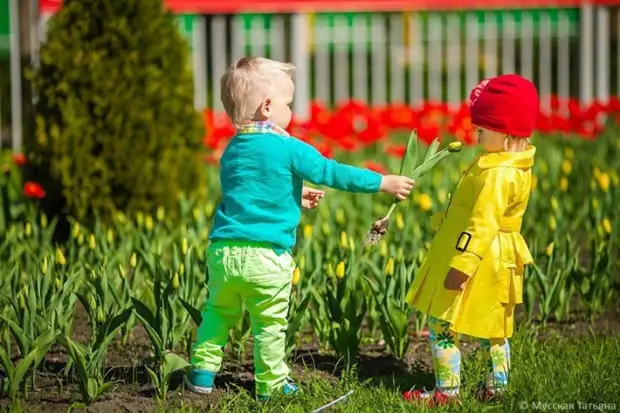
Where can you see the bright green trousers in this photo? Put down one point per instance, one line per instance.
(255, 274)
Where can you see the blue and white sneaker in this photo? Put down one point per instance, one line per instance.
(199, 381)
(288, 389)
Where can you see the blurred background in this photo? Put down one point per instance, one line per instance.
(395, 51)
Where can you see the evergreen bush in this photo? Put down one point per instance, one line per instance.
(116, 128)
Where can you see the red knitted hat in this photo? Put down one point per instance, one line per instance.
(507, 104)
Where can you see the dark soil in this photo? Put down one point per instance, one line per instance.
(55, 393)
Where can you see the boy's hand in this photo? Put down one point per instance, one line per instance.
(399, 186)
(455, 280)
(310, 197)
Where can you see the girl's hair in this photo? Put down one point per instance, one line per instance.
(512, 144)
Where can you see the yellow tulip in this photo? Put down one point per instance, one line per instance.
(140, 218)
(549, 249)
(563, 184)
(554, 203)
(110, 236)
(553, 223)
(389, 267)
(80, 239)
(44, 266)
(340, 269)
(92, 242)
(400, 223)
(455, 146)
(606, 224)
(28, 229)
(60, 257)
(603, 181)
(351, 244)
(425, 202)
(307, 231)
(442, 196)
(181, 268)
(340, 216)
(184, 246)
(76, 230)
(567, 167)
(175, 281)
(161, 213)
(133, 261)
(148, 223)
(296, 276)
(326, 229)
(344, 242)
(383, 248)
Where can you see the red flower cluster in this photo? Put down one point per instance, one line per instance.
(19, 159)
(354, 125)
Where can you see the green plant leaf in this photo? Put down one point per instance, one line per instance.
(410, 159)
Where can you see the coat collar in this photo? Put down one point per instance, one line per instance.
(523, 159)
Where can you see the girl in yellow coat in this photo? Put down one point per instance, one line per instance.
(473, 274)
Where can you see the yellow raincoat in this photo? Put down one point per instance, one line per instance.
(479, 234)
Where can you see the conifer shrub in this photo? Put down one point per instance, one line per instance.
(116, 128)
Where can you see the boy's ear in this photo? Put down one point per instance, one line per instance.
(266, 107)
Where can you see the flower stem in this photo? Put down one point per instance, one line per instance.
(391, 210)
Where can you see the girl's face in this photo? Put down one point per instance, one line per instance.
(490, 140)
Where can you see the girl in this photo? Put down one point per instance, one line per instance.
(473, 274)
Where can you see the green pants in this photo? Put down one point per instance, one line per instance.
(255, 274)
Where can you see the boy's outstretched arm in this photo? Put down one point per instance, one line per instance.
(311, 166)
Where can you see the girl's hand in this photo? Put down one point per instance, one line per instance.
(310, 197)
(399, 186)
(455, 280)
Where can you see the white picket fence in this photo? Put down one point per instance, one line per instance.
(409, 57)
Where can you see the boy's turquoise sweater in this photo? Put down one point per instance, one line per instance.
(262, 175)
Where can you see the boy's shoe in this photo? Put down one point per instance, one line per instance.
(431, 399)
(200, 381)
(288, 389)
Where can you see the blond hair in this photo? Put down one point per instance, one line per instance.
(247, 82)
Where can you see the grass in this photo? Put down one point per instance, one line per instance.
(554, 374)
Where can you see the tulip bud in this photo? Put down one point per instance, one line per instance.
(296, 276)
(57, 284)
(100, 315)
(28, 229)
(196, 213)
(383, 248)
(400, 223)
(181, 268)
(133, 261)
(389, 267)
(92, 302)
(121, 271)
(140, 218)
(92, 242)
(184, 246)
(110, 236)
(80, 239)
(307, 231)
(161, 213)
(340, 269)
(455, 146)
(60, 258)
(343, 240)
(340, 218)
(76, 230)
(44, 266)
(330, 270)
(175, 281)
(549, 249)
(326, 229)
(148, 224)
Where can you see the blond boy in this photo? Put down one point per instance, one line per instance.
(249, 259)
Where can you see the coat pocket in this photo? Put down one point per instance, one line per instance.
(506, 274)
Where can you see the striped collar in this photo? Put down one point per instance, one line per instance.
(254, 127)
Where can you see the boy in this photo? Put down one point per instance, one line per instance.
(249, 259)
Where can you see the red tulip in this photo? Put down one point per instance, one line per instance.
(377, 167)
(19, 159)
(33, 190)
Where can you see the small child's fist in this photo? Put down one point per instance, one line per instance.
(399, 186)
(310, 197)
